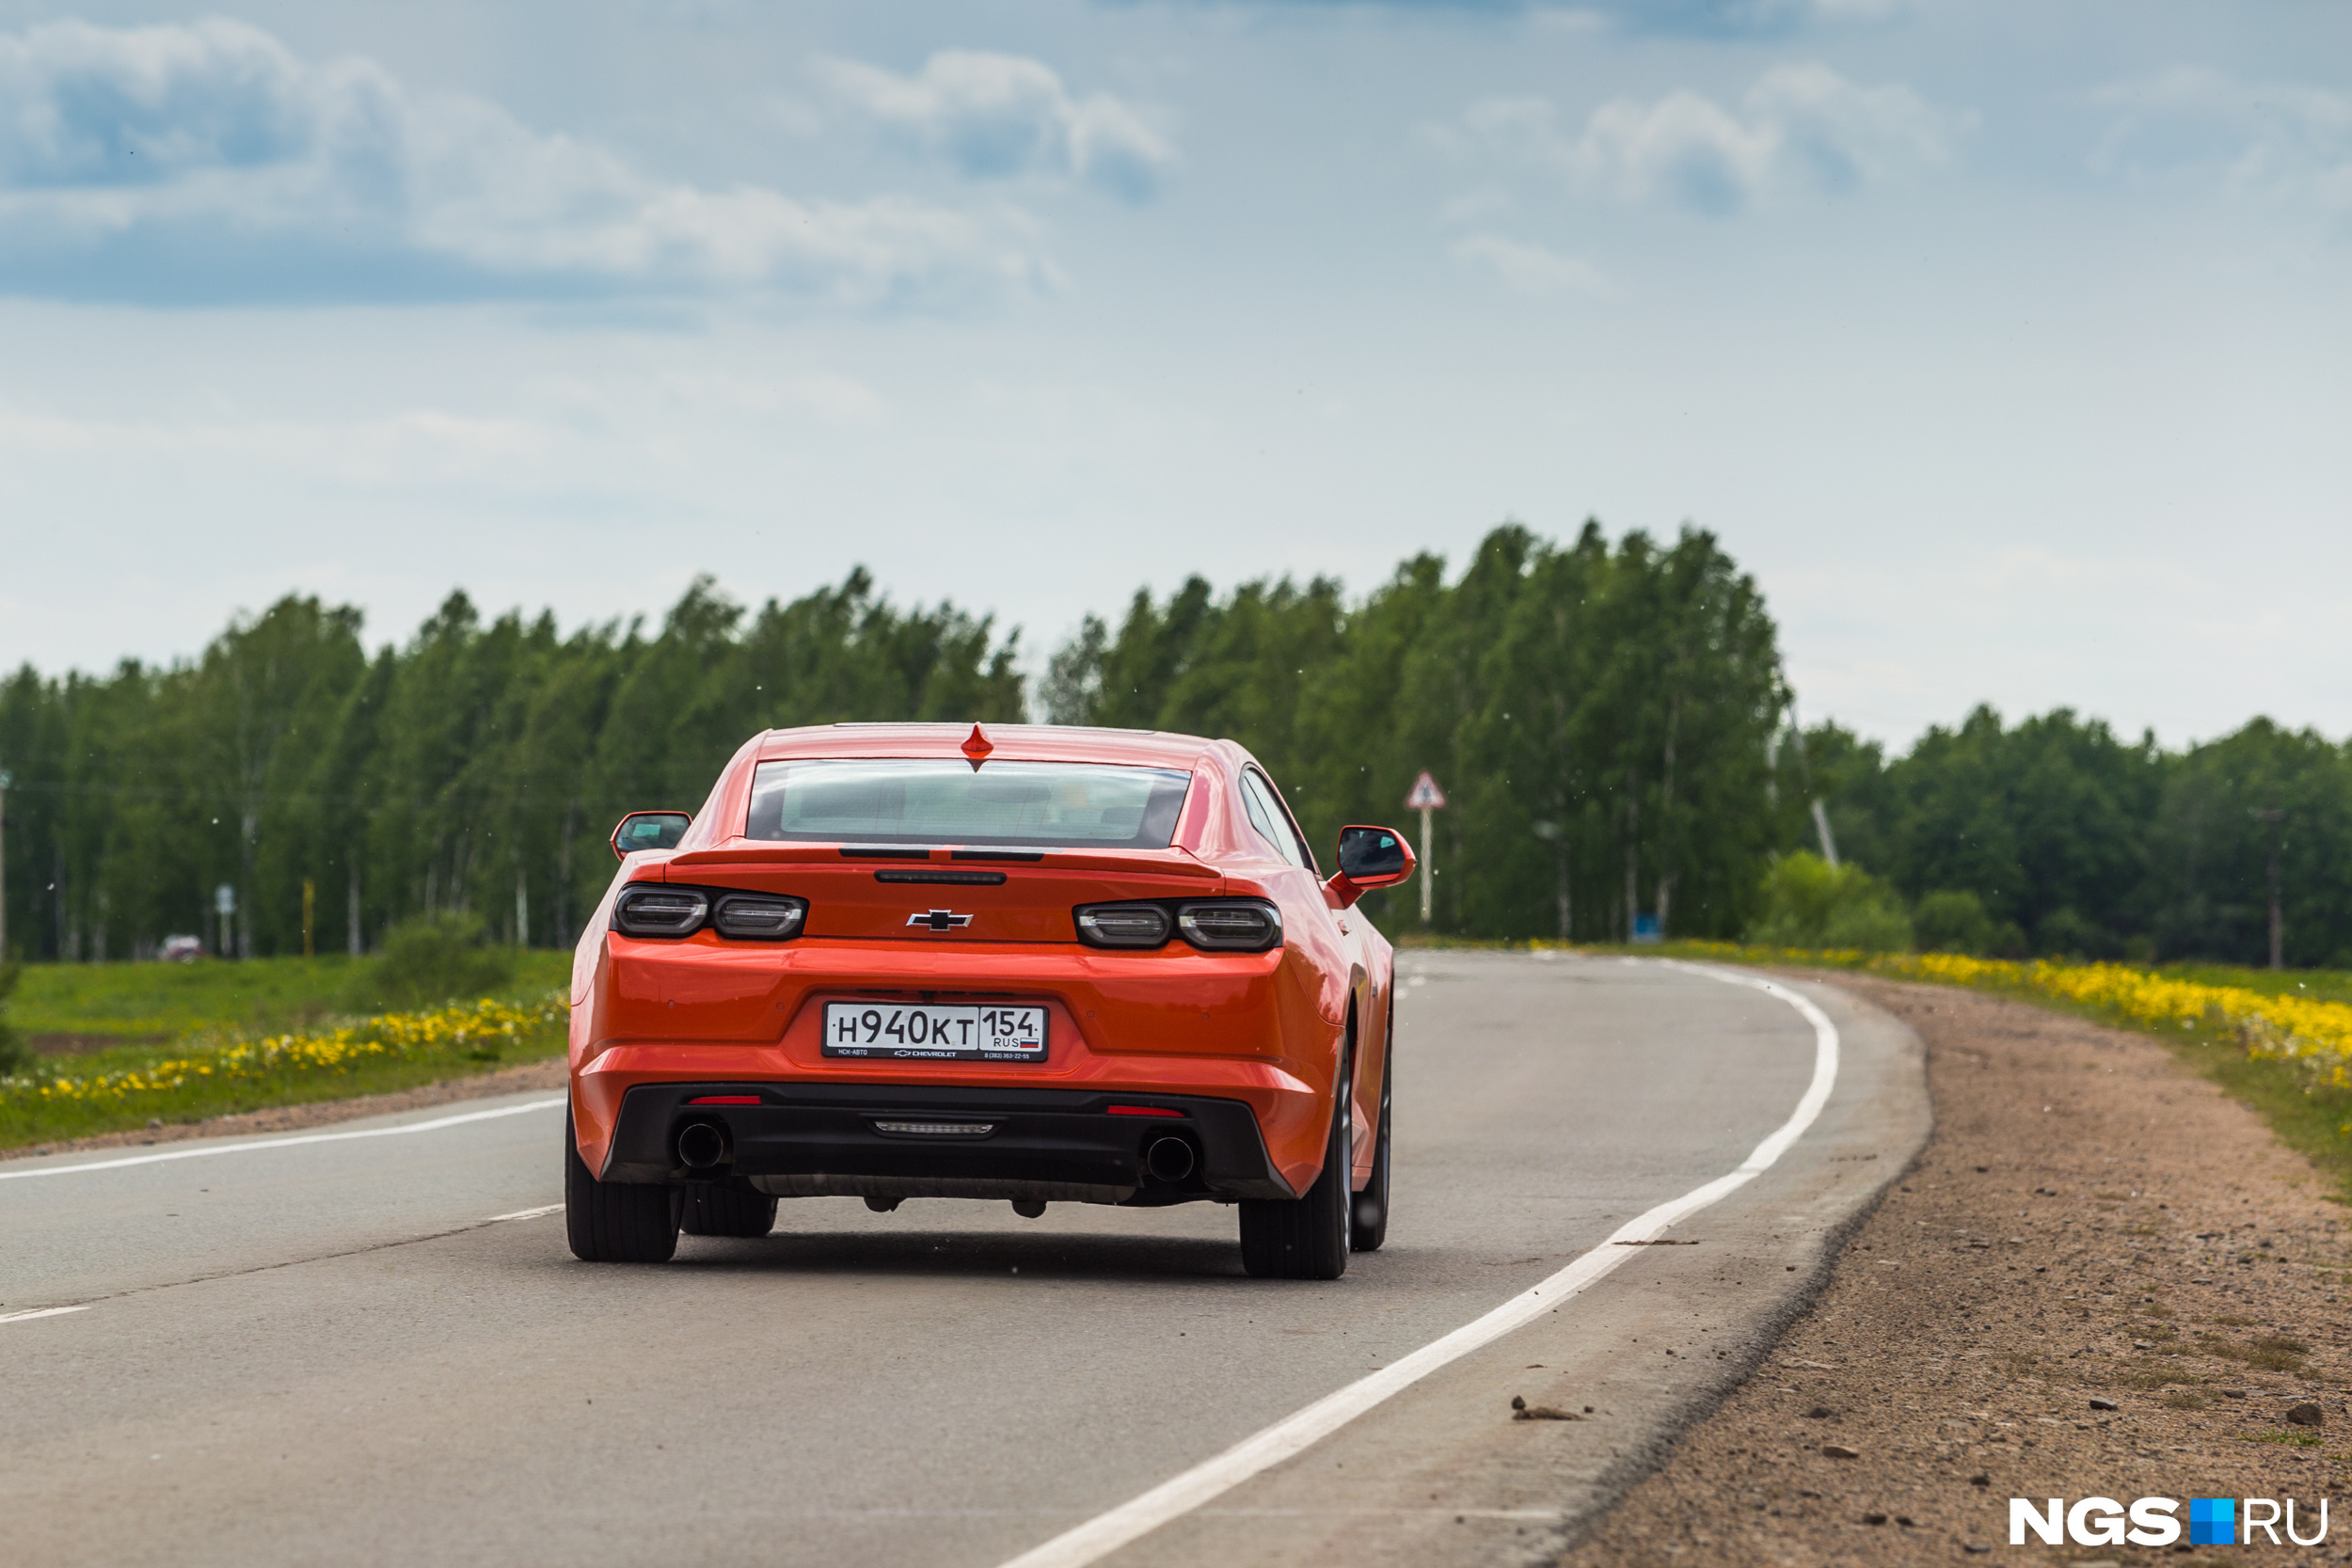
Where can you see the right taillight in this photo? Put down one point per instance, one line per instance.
(1231, 926)
(1123, 924)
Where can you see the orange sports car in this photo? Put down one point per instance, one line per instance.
(1026, 963)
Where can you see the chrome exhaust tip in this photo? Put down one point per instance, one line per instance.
(1168, 1160)
(702, 1146)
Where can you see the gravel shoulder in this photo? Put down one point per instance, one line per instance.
(2090, 1222)
(548, 1074)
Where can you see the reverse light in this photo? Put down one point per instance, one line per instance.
(760, 915)
(937, 1128)
(1123, 924)
(1231, 926)
(653, 911)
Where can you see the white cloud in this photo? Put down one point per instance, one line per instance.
(1798, 127)
(1530, 269)
(2272, 140)
(840, 399)
(996, 116)
(208, 161)
(1747, 18)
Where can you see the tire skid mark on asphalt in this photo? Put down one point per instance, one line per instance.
(202, 1151)
(1179, 1495)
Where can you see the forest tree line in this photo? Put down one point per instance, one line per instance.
(480, 767)
(1609, 720)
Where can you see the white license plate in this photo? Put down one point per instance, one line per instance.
(991, 1032)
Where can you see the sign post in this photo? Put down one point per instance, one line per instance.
(6, 779)
(1424, 797)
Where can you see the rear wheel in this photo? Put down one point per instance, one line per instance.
(1307, 1237)
(615, 1222)
(1371, 1219)
(713, 1208)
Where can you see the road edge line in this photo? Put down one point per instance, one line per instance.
(1179, 1495)
(43, 1312)
(205, 1150)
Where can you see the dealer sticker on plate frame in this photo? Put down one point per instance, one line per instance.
(987, 1032)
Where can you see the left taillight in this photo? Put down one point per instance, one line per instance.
(659, 912)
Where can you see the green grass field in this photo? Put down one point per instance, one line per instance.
(89, 1021)
(139, 1002)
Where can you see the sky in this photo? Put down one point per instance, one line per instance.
(2007, 345)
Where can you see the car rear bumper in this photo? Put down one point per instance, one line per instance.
(824, 1139)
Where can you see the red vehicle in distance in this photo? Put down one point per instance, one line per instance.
(1029, 963)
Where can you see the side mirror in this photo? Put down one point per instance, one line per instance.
(649, 830)
(1369, 857)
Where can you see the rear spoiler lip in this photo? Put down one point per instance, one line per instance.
(742, 855)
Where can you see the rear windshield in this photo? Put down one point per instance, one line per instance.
(1039, 806)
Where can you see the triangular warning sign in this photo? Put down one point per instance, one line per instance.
(1426, 795)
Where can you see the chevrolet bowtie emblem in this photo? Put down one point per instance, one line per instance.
(939, 920)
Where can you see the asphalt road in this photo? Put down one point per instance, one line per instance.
(336, 1349)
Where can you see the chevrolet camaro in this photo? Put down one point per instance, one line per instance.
(1018, 963)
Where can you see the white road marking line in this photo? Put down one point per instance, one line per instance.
(1546, 1515)
(41, 1312)
(525, 1214)
(1106, 1533)
(202, 1150)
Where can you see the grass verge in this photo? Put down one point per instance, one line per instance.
(150, 1003)
(221, 1074)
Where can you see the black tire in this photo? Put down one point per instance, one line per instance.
(714, 1209)
(1307, 1237)
(1371, 1220)
(615, 1222)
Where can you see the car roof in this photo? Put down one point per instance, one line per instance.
(1013, 743)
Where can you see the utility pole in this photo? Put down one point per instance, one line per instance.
(1551, 833)
(1425, 798)
(6, 779)
(2273, 816)
(1820, 812)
